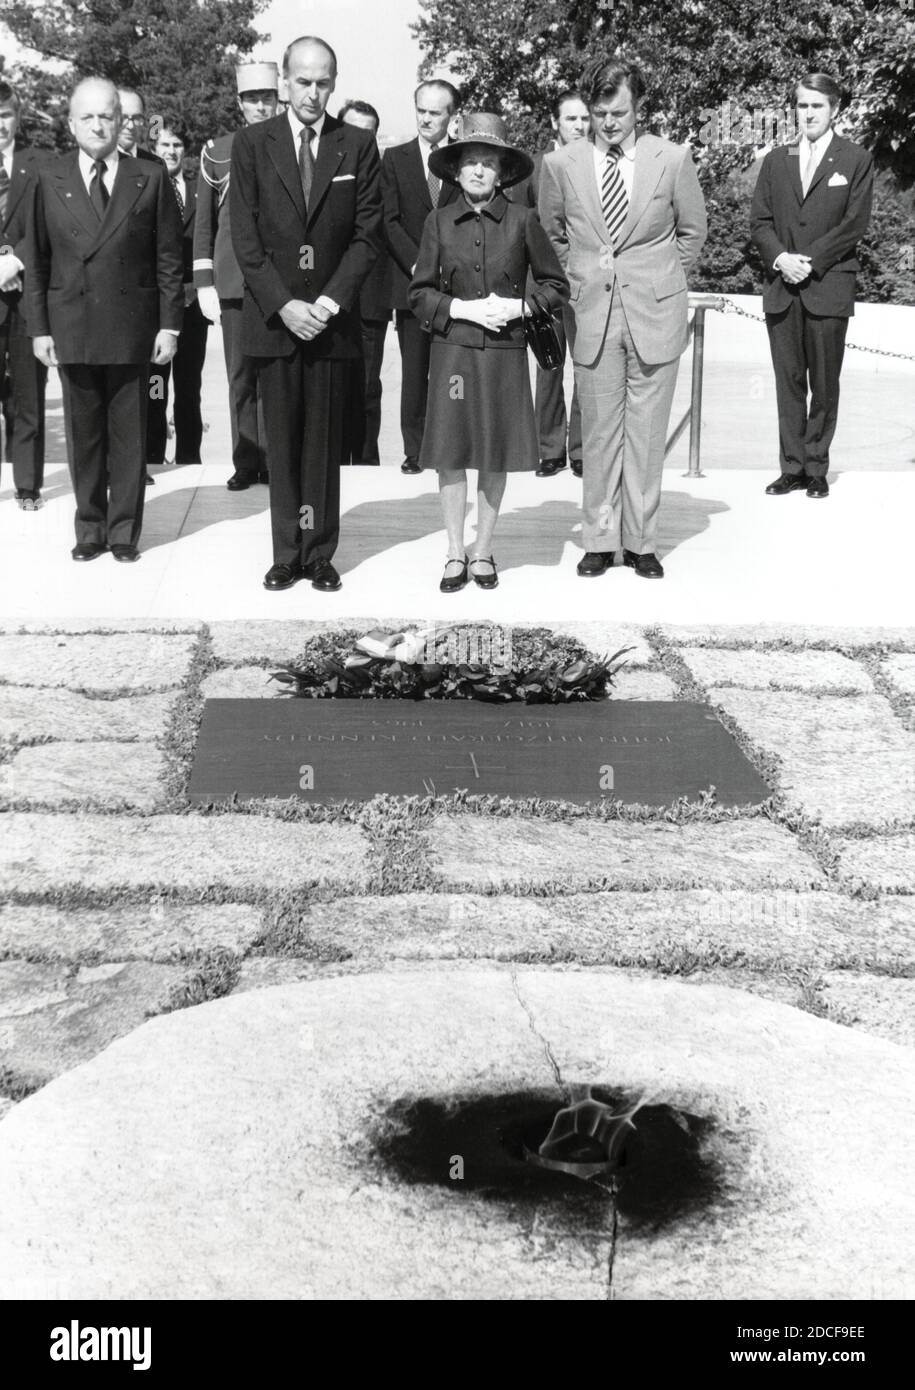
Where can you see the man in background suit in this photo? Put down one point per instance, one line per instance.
(187, 368)
(557, 431)
(374, 315)
(134, 126)
(627, 218)
(218, 279)
(22, 377)
(305, 198)
(811, 206)
(410, 193)
(103, 251)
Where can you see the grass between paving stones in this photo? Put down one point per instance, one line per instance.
(17, 1085)
(901, 704)
(215, 975)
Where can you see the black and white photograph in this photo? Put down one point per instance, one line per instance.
(457, 796)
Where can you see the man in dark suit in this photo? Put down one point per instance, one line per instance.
(374, 315)
(811, 206)
(410, 193)
(22, 377)
(218, 279)
(187, 369)
(134, 128)
(103, 251)
(571, 121)
(305, 202)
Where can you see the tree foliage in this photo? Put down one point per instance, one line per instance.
(180, 54)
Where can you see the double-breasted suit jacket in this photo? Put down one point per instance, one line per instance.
(826, 225)
(287, 253)
(22, 376)
(663, 234)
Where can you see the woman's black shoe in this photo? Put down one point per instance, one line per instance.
(488, 581)
(451, 586)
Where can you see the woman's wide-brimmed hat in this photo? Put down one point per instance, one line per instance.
(481, 128)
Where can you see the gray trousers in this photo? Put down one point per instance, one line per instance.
(625, 409)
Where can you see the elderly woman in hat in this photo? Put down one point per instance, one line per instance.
(476, 257)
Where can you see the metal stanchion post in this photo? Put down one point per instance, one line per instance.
(695, 401)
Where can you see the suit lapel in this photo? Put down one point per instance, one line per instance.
(70, 189)
(331, 149)
(127, 188)
(646, 174)
(581, 172)
(827, 164)
(284, 157)
(420, 190)
(190, 200)
(18, 184)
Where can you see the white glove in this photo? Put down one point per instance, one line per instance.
(208, 300)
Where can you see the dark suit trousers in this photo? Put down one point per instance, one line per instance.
(248, 453)
(305, 418)
(374, 332)
(105, 419)
(414, 359)
(22, 390)
(550, 403)
(186, 371)
(807, 355)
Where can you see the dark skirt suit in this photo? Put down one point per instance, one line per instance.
(479, 412)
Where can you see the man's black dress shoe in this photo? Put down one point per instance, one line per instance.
(323, 576)
(648, 566)
(787, 482)
(817, 487)
(595, 562)
(410, 464)
(187, 463)
(240, 481)
(550, 467)
(263, 477)
(87, 550)
(150, 480)
(576, 467)
(282, 577)
(452, 583)
(125, 553)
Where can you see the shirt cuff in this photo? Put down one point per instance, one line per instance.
(328, 303)
(176, 331)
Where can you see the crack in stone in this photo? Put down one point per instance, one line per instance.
(554, 1065)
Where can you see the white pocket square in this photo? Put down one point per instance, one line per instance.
(340, 178)
(836, 181)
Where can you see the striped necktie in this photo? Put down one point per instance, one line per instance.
(4, 190)
(613, 199)
(178, 196)
(435, 185)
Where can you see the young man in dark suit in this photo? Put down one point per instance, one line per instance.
(103, 251)
(218, 279)
(410, 193)
(187, 369)
(22, 377)
(305, 202)
(811, 207)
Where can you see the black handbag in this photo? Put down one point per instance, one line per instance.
(541, 336)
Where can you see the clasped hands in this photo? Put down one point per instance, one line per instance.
(494, 312)
(305, 320)
(793, 268)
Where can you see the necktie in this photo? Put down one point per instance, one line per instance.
(810, 166)
(98, 193)
(4, 190)
(435, 185)
(178, 196)
(306, 161)
(613, 197)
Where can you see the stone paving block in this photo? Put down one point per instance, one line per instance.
(643, 685)
(202, 1183)
(279, 641)
(159, 930)
(240, 683)
(835, 637)
(886, 862)
(670, 931)
(480, 852)
(112, 626)
(30, 713)
(52, 1017)
(44, 853)
(764, 670)
(128, 661)
(6, 1106)
(900, 669)
(843, 760)
(113, 774)
(876, 1003)
(605, 638)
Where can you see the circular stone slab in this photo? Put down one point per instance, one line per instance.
(304, 1142)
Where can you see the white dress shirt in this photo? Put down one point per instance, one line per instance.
(11, 265)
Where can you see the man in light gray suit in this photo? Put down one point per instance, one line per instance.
(627, 218)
